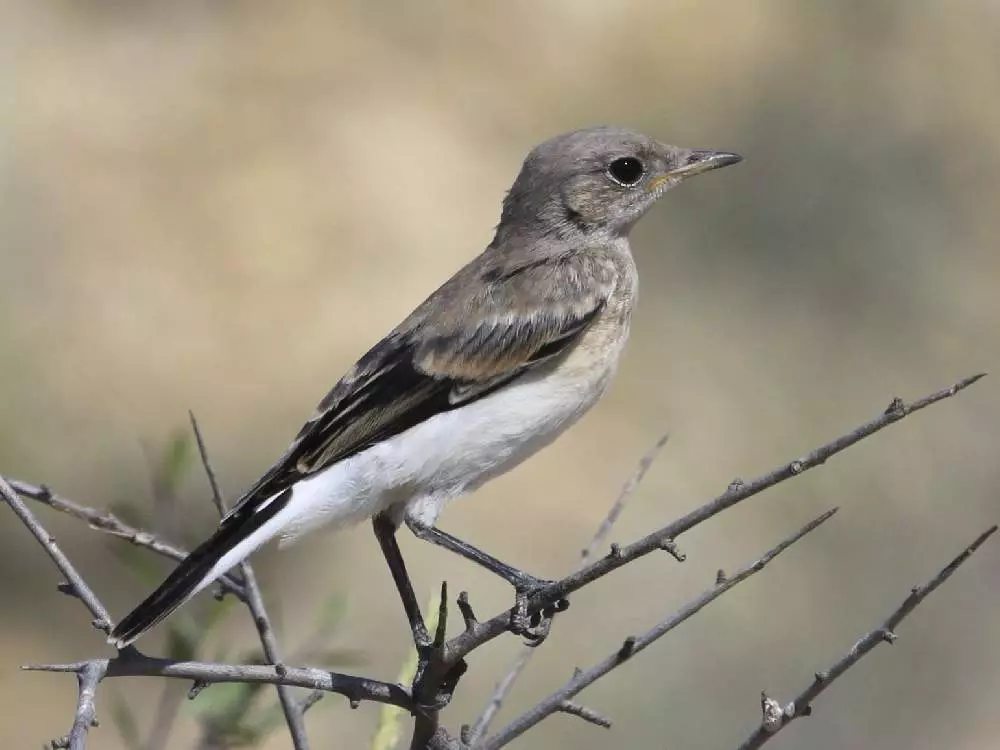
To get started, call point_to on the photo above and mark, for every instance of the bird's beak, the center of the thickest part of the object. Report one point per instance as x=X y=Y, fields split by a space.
x=697 y=161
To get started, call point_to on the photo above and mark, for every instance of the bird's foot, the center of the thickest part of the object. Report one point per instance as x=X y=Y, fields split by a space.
x=527 y=585
x=533 y=626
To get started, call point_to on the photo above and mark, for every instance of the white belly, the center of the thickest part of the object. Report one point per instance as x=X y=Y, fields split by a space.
x=449 y=455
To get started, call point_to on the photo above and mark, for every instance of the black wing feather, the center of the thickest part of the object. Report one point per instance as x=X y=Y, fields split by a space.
x=386 y=394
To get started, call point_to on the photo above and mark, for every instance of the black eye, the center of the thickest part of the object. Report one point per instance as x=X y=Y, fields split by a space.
x=626 y=171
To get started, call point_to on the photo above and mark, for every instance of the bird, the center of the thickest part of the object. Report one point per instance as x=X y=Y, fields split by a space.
x=494 y=365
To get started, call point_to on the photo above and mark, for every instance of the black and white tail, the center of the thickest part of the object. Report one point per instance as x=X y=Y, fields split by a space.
x=239 y=534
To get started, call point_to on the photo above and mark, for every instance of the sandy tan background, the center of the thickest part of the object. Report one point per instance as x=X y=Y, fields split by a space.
x=218 y=206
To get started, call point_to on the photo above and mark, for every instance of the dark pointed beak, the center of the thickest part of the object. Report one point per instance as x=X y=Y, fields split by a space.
x=698 y=160
x=703 y=160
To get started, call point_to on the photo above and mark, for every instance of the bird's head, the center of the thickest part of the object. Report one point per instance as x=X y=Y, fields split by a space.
x=598 y=181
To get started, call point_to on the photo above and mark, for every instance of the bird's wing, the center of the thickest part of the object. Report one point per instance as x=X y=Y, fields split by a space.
x=462 y=343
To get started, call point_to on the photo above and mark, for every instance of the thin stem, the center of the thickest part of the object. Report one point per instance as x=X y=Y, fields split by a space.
x=627 y=492
x=255 y=603
x=86 y=712
x=776 y=720
x=132 y=663
x=500 y=692
x=78 y=587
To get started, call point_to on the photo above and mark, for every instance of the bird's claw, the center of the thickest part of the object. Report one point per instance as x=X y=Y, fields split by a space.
x=527 y=585
x=533 y=627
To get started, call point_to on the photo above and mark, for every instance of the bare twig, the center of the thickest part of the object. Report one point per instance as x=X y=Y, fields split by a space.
x=627 y=491
x=77 y=586
x=587 y=714
x=487 y=630
x=774 y=721
x=482 y=725
x=504 y=686
x=91 y=674
x=86 y=713
x=255 y=603
x=213 y=481
x=433 y=690
x=634 y=644
x=465 y=607
x=110 y=524
x=131 y=663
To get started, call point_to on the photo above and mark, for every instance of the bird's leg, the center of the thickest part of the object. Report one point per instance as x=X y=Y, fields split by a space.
x=385 y=532
x=523 y=583
x=534 y=627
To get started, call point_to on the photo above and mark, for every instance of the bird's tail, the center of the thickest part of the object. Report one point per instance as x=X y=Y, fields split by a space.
x=239 y=534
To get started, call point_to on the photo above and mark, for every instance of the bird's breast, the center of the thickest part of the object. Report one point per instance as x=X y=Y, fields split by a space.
x=455 y=452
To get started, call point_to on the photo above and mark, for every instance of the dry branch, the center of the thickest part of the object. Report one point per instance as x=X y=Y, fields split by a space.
x=776 y=720
x=89 y=675
x=445 y=665
x=132 y=663
x=111 y=524
x=76 y=585
x=634 y=644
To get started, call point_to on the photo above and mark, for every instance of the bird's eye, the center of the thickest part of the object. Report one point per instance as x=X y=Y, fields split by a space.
x=626 y=171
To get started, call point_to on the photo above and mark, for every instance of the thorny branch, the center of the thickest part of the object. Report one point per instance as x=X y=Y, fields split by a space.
x=110 y=524
x=75 y=584
x=736 y=492
x=132 y=663
x=88 y=675
x=86 y=713
x=776 y=718
x=442 y=672
x=634 y=644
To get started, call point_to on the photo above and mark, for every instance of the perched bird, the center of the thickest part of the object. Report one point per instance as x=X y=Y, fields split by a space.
x=493 y=366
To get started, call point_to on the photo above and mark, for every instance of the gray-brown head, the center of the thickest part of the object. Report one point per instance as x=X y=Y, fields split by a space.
x=596 y=182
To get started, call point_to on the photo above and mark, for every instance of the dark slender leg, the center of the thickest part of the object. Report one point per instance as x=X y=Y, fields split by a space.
x=521 y=581
x=385 y=532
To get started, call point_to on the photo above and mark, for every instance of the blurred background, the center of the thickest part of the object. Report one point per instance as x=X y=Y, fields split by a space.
x=195 y=197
